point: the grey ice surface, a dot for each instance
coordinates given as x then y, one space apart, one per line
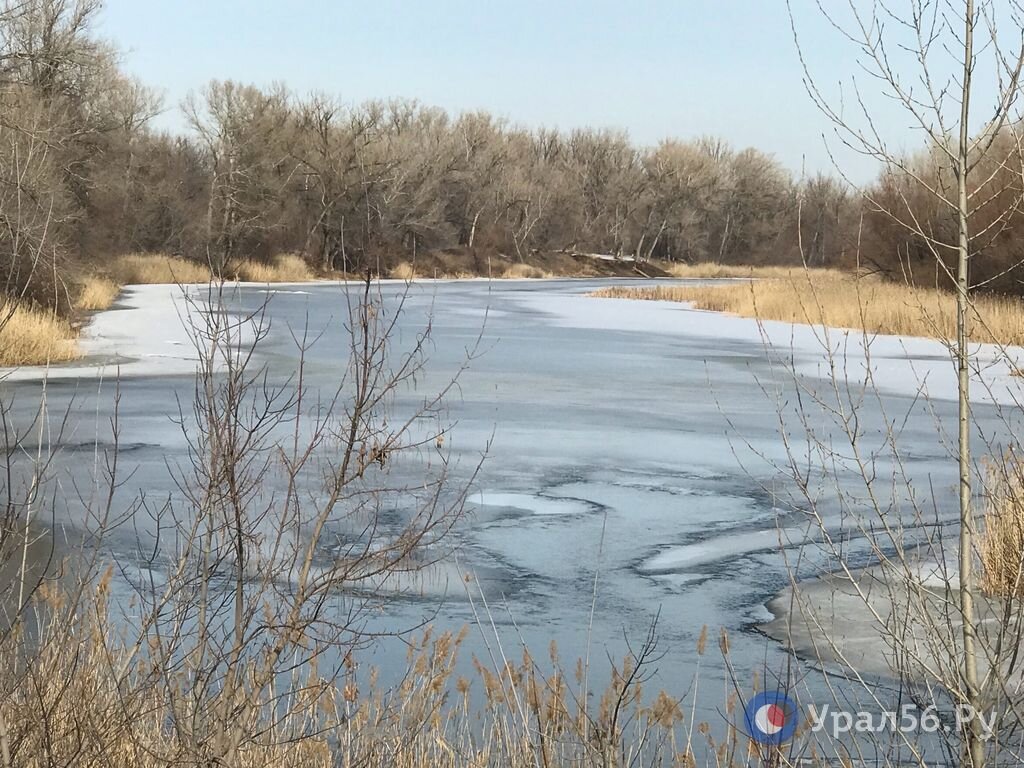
627 449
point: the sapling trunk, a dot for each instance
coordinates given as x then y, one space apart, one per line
974 754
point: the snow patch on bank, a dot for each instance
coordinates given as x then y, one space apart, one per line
145 333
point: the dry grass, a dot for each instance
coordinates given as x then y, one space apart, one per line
146 268
96 293
407 271
712 269
403 271
1001 544
34 337
285 268
843 301
88 698
520 271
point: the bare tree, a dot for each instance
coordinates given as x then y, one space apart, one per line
926 58
244 132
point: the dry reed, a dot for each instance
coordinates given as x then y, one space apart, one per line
522 271
96 293
403 271
712 269
147 268
30 336
1001 545
407 271
96 701
867 304
284 268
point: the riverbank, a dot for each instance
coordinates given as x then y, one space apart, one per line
145 328
42 336
837 300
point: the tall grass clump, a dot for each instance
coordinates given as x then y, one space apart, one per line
869 304
712 269
96 293
284 268
146 268
149 268
403 271
522 271
32 336
1001 545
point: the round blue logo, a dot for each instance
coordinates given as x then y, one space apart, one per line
770 718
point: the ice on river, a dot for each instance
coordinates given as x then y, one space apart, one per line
899 364
629 448
715 550
534 504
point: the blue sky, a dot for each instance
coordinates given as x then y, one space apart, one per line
657 69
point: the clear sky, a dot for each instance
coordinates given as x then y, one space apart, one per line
679 68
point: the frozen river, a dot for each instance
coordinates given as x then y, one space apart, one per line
623 440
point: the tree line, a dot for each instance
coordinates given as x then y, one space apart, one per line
261 171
